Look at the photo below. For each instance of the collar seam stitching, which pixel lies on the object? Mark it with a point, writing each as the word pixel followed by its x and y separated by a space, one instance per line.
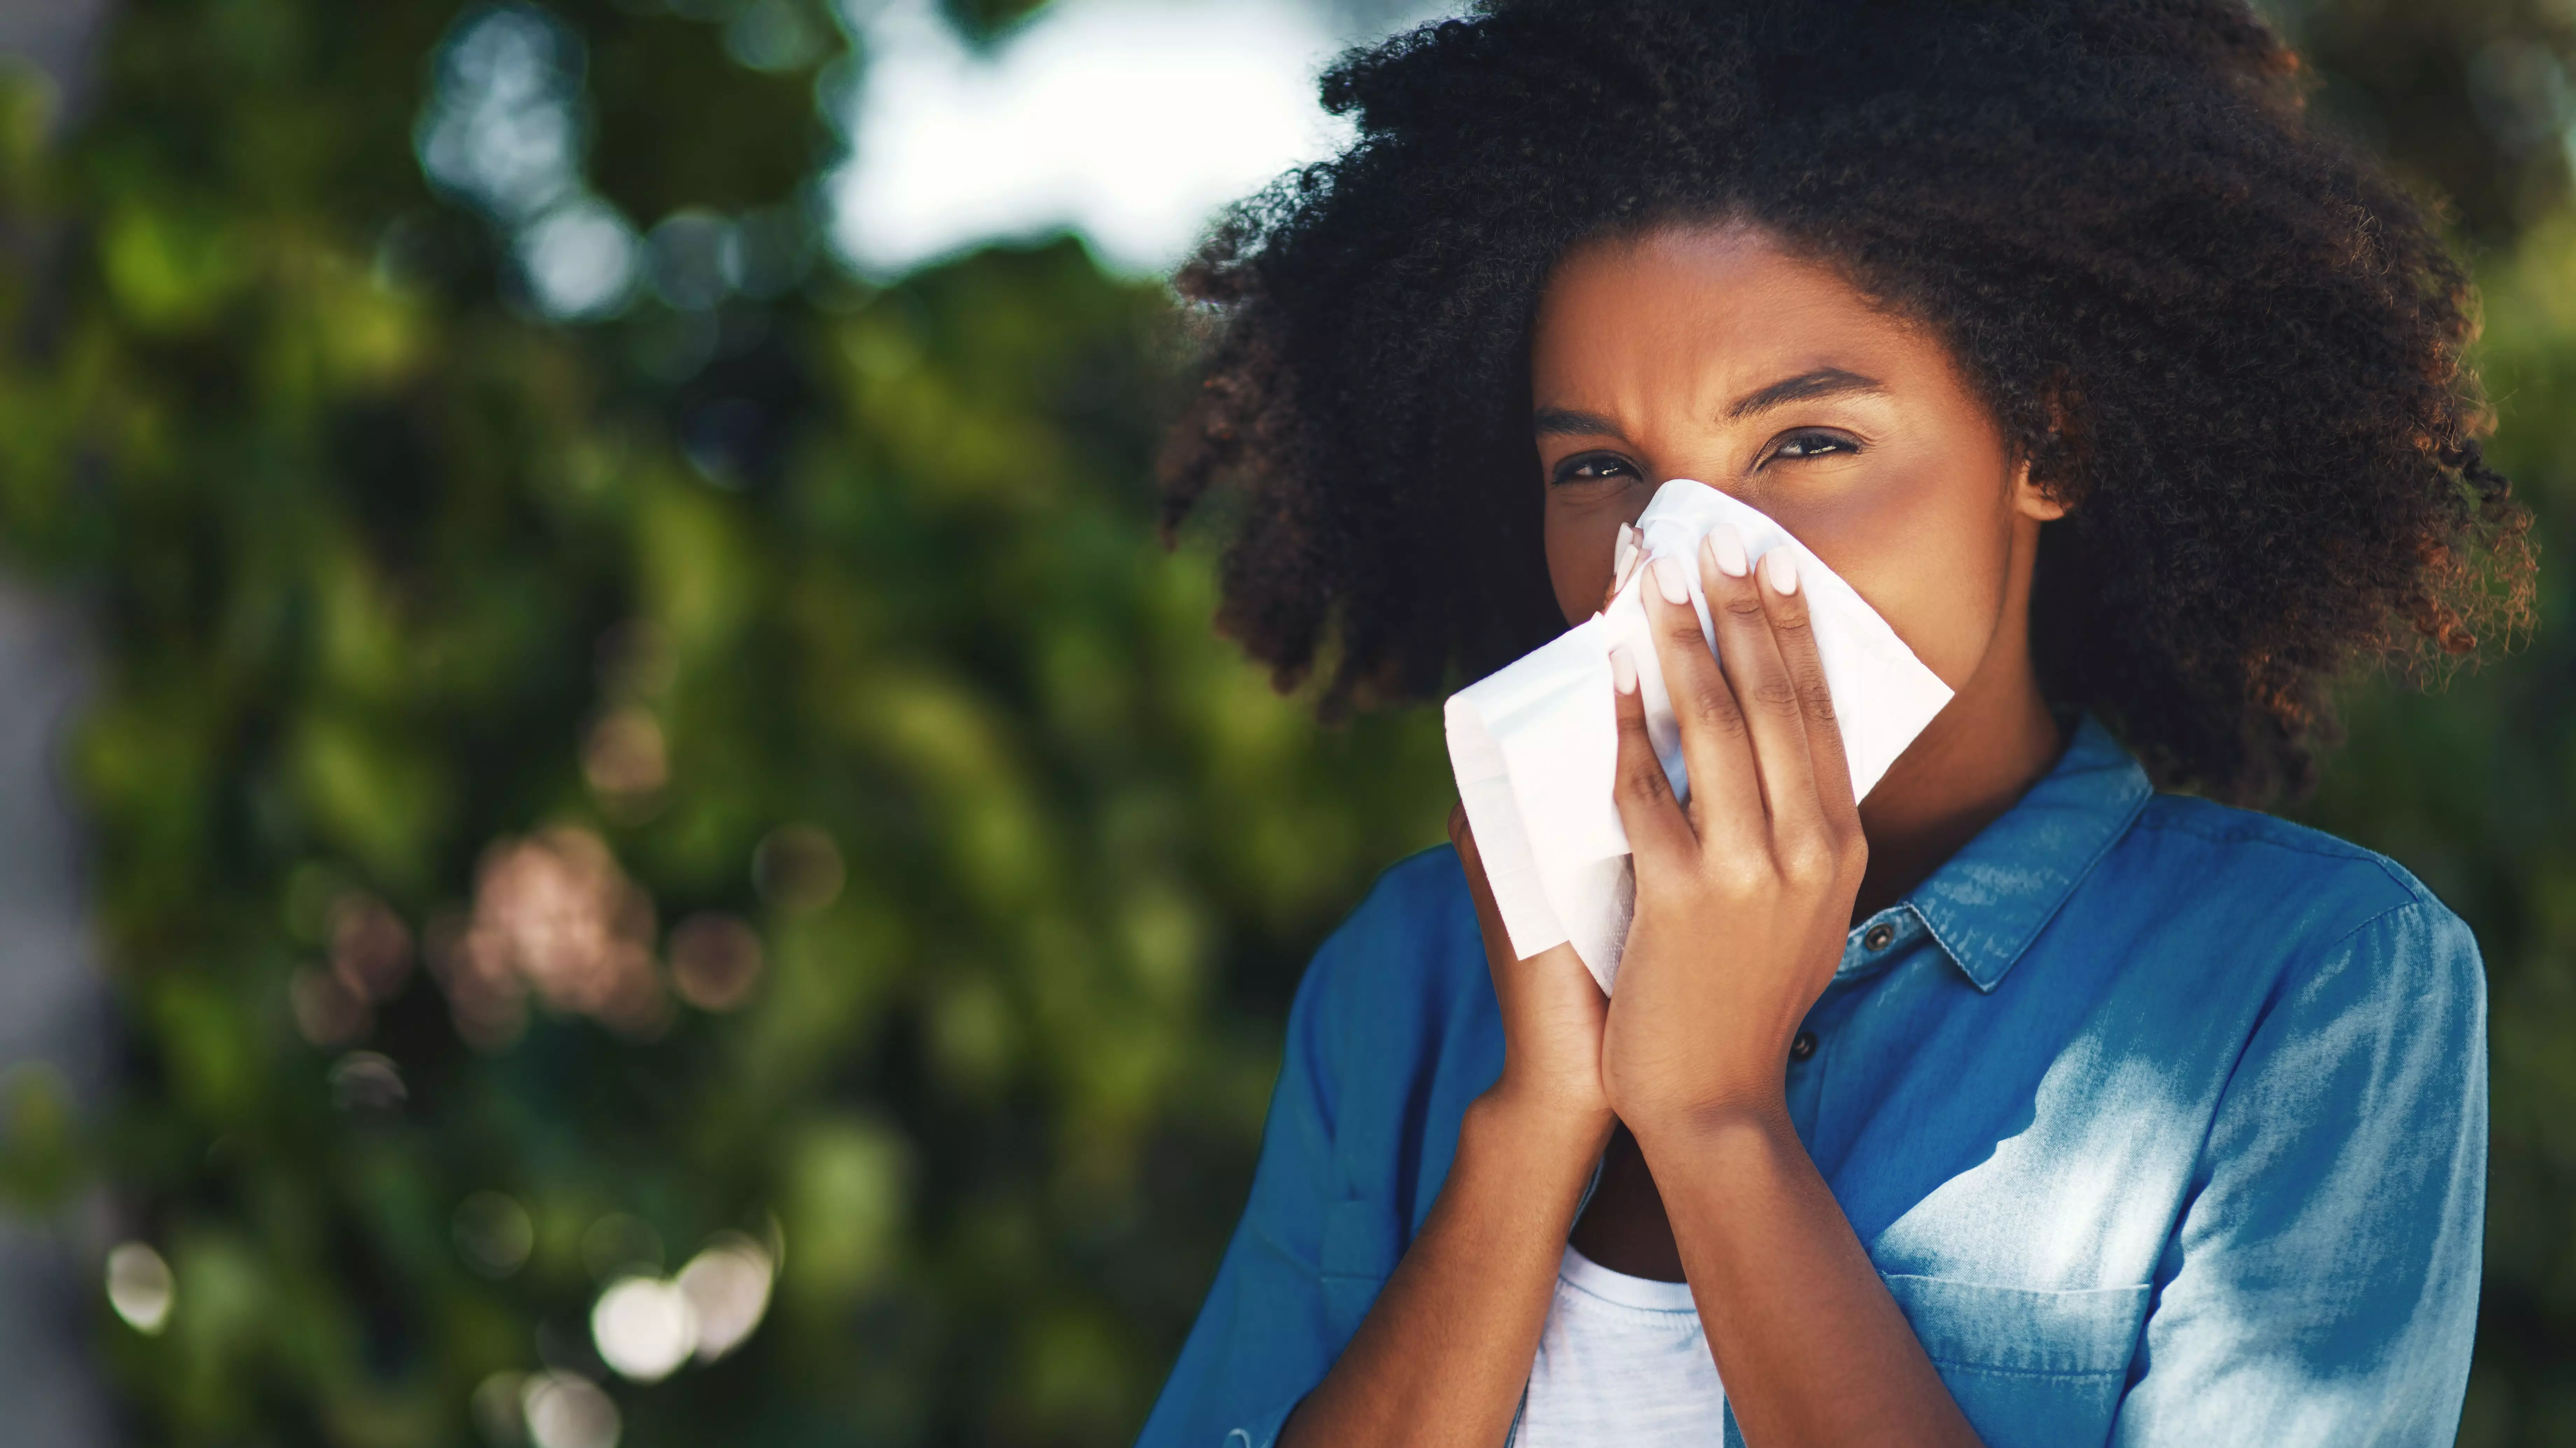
pixel 2075 879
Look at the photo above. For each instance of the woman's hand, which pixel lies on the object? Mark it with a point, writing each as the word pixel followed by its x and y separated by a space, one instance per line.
pixel 1443 1354
pixel 1743 897
pixel 1742 903
pixel 1552 1013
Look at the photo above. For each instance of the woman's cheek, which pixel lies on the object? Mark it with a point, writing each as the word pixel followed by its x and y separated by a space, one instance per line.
pixel 1944 600
pixel 1930 590
pixel 1950 645
pixel 1579 565
pixel 1925 546
pixel 1582 547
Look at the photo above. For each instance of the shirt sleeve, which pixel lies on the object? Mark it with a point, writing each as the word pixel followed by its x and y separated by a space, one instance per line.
pixel 1268 1331
pixel 2322 1285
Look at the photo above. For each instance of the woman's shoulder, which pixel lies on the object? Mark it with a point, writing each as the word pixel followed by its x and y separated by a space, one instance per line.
pixel 1403 972
pixel 2313 895
pixel 1424 885
pixel 1413 933
pixel 2269 849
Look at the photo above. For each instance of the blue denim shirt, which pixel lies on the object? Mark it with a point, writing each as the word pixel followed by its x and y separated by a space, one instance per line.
pixel 2165 1123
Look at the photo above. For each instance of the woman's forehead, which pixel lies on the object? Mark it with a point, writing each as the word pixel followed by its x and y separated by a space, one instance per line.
pixel 1714 314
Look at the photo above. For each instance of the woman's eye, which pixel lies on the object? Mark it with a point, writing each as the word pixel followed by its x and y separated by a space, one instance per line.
pixel 1814 444
pixel 1593 468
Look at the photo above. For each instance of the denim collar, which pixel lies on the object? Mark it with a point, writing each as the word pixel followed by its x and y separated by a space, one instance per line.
pixel 1986 905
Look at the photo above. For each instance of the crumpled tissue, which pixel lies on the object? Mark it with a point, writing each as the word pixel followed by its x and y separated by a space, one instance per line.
pixel 1535 745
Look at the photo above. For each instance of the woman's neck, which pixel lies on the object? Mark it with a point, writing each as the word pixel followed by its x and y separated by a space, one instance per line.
pixel 1994 741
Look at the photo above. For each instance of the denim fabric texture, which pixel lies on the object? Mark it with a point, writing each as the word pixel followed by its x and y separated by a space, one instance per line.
pixel 2165 1123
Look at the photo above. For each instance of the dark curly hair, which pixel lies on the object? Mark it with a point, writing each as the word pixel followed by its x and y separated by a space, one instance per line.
pixel 2226 340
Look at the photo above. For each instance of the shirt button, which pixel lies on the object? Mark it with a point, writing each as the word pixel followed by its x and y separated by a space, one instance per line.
pixel 1803 1047
pixel 1879 935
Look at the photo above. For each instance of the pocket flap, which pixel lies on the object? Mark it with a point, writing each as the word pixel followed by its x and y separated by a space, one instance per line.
pixel 2021 1329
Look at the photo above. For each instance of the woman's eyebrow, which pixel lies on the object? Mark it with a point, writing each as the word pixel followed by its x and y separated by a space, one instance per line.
pixel 1806 386
pixel 1559 422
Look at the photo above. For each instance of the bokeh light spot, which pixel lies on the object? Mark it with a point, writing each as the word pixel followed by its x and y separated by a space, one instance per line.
pixel 140 1287
pixel 578 260
pixel 554 915
pixel 685 259
pixel 327 1013
pixel 367 1082
pixel 371 948
pixel 727 1286
pixel 798 869
pixel 496 1409
pixel 644 1327
pixel 715 961
pixel 626 760
pixel 566 1410
pixel 774 35
pixel 769 249
pixel 501 129
pixel 494 1234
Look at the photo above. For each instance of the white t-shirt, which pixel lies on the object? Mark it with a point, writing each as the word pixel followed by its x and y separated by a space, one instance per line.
pixel 1622 1363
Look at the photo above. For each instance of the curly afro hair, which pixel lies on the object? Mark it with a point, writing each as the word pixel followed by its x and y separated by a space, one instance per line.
pixel 2226 340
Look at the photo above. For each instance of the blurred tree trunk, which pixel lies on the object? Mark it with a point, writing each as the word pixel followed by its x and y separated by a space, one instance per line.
pixel 53 1010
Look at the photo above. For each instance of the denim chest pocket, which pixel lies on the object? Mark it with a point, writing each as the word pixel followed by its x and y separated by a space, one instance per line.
pixel 2027 1366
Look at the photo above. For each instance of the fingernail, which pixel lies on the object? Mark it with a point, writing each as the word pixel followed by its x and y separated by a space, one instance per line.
pixel 1781 570
pixel 1623 671
pixel 1672 579
pixel 1726 549
pixel 1627 561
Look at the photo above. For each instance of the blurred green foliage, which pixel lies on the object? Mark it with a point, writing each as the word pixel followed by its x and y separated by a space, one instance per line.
pixel 849 625
pixel 743 772
pixel 2472 784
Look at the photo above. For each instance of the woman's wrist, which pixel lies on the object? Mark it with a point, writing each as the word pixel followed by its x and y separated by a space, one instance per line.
pixel 1444 1352
pixel 1718 1120
pixel 1530 1118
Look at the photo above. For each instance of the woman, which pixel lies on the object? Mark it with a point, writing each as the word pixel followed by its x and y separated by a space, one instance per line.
pixel 2028 1100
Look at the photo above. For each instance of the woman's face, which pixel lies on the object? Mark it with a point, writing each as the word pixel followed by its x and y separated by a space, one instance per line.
pixel 1708 352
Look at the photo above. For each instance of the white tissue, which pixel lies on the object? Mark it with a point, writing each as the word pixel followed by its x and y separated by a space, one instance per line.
pixel 1535 745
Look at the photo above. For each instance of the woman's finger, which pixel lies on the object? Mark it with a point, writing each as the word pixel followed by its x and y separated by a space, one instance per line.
pixel 1793 630
pixel 1717 749
pixel 1489 916
pixel 1462 838
pixel 1658 836
pixel 1623 561
pixel 1763 689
